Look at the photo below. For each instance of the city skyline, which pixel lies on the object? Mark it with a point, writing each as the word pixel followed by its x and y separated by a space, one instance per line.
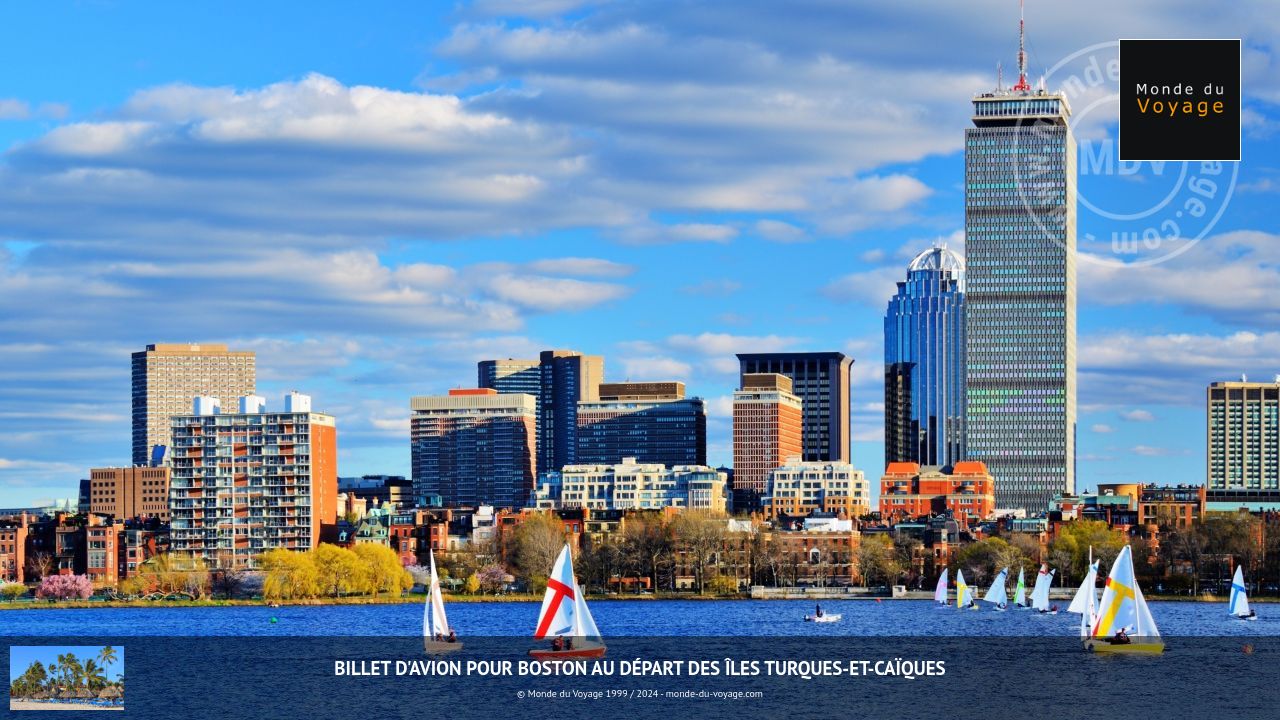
pixel 564 218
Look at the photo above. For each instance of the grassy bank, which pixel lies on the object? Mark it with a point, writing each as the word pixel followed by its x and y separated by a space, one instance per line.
pixel 381 600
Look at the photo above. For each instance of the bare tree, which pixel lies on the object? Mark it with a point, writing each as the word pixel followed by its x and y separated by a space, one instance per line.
pixel 700 535
pixel 40 564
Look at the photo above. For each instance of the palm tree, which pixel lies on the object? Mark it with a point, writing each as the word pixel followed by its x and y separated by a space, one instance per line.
pixel 107 656
pixel 94 679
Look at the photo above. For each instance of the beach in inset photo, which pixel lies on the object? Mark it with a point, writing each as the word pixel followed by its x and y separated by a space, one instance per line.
pixel 66 677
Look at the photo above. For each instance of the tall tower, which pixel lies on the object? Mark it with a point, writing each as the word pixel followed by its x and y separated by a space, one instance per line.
pixel 767 429
pixel 821 381
pixel 924 362
pixel 568 378
pixel 1020 326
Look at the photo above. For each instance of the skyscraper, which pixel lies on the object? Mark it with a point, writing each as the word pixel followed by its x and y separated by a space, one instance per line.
pixel 650 422
pixel 1020 325
pixel 510 376
pixel 821 381
pixel 924 362
pixel 1243 445
pixel 767 429
pixel 167 377
pixel 250 481
pixel 568 378
pixel 473 447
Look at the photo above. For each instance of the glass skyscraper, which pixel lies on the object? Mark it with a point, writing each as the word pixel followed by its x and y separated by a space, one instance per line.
pixel 924 362
pixel 1020 286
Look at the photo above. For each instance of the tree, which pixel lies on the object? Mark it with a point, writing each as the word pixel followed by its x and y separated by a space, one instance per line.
pixel 289 575
pixel 338 570
pixel 491 578
pixel 65 587
pixel 877 561
pixel 384 571
pixel 92 677
pixel 536 543
pixel 12 591
pixel 472 585
pixel 107 656
pixel 699 534
pixel 40 564
pixel 984 559
pixel 174 574
pixel 646 546
pixel 1069 551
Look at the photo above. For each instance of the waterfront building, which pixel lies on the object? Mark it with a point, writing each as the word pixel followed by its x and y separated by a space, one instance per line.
pixel 651 422
pixel 250 481
pixel 799 488
pixel 768 428
pixel 821 381
pixel 167 376
pixel 909 490
pixel 1243 453
pixel 924 351
pixel 473 447
pixel 568 378
pixel 1020 293
pixel 13 548
pixel 635 485
pixel 510 376
pixel 132 492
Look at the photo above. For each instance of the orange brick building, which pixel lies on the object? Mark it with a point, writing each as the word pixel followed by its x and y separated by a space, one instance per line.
pixel 130 492
pixel 767 429
pixel 909 491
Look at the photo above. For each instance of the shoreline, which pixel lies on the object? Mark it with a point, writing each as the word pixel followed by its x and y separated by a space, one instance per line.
pixel 35 705
pixel 523 598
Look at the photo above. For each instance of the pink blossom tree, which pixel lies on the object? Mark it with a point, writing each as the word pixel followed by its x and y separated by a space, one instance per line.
pixel 65 587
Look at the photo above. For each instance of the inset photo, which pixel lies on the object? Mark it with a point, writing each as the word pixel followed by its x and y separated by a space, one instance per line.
pixel 66 677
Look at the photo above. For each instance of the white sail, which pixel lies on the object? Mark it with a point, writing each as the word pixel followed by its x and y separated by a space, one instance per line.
pixel 963 596
pixel 940 592
pixel 556 616
pixel 997 594
pixel 1239 603
pixel 584 624
pixel 1040 594
pixel 1123 606
pixel 1088 589
pixel 1020 595
pixel 434 620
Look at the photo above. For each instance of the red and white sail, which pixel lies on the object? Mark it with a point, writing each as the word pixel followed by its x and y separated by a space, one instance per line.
pixel 564 608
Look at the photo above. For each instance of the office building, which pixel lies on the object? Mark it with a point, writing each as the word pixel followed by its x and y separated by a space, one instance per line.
pixel 510 376
pixel 1020 293
pixel 768 428
pixel 634 485
pixel 821 381
pixel 651 422
pixel 909 491
pixel 250 481
pixel 799 488
pixel 167 376
pixel 1243 455
pixel 1176 507
pixel 924 362
pixel 473 447
pixel 568 378
pixel 132 492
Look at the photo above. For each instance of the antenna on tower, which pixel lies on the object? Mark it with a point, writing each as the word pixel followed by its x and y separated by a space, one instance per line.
pixel 999 77
pixel 1022 85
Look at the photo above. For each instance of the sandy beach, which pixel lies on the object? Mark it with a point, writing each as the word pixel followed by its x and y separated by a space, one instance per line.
pixel 32 705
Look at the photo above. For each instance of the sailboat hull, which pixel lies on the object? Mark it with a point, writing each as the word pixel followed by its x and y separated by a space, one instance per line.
pixel 434 647
pixel 576 654
pixel 1094 645
pixel 822 618
pixel 1247 618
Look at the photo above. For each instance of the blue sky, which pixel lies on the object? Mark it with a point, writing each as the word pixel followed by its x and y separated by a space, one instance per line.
pixel 373 198
pixel 21 657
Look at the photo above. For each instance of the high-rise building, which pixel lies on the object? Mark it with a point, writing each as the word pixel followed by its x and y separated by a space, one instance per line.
pixel 250 481
pixel 473 447
pixel 821 381
pixel 568 378
pixel 130 492
pixel 167 376
pixel 767 430
pixel 510 376
pixel 924 362
pixel 799 488
pixel 1020 293
pixel 650 422
pixel 1243 445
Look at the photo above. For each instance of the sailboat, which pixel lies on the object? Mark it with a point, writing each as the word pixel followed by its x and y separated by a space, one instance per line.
pixel 1020 595
pixel 1238 605
pixel 436 632
pixel 1124 610
pixel 565 617
pixel 819 616
pixel 1040 593
pixel 940 592
pixel 964 598
pixel 1085 603
pixel 997 595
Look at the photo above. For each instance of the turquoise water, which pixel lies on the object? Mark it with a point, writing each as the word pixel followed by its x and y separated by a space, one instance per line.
pixel 616 618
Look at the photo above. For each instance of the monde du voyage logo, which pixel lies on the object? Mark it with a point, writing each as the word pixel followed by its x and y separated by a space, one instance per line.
pixel 1180 100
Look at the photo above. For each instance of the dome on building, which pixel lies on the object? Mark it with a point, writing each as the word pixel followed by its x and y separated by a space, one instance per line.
pixel 937 258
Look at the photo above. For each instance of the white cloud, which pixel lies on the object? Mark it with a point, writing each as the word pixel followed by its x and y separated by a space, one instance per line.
pixel 643 369
pixel 779 231
pixel 1138 415
pixel 1101 428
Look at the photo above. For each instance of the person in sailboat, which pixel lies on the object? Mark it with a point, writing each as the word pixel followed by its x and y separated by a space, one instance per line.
pixel 453 636
pixel 817 609
pixel 1121 638
pixel 557 644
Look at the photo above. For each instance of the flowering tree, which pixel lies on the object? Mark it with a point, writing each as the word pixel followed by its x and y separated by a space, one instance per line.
pixel 65 587
pixel 492 578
